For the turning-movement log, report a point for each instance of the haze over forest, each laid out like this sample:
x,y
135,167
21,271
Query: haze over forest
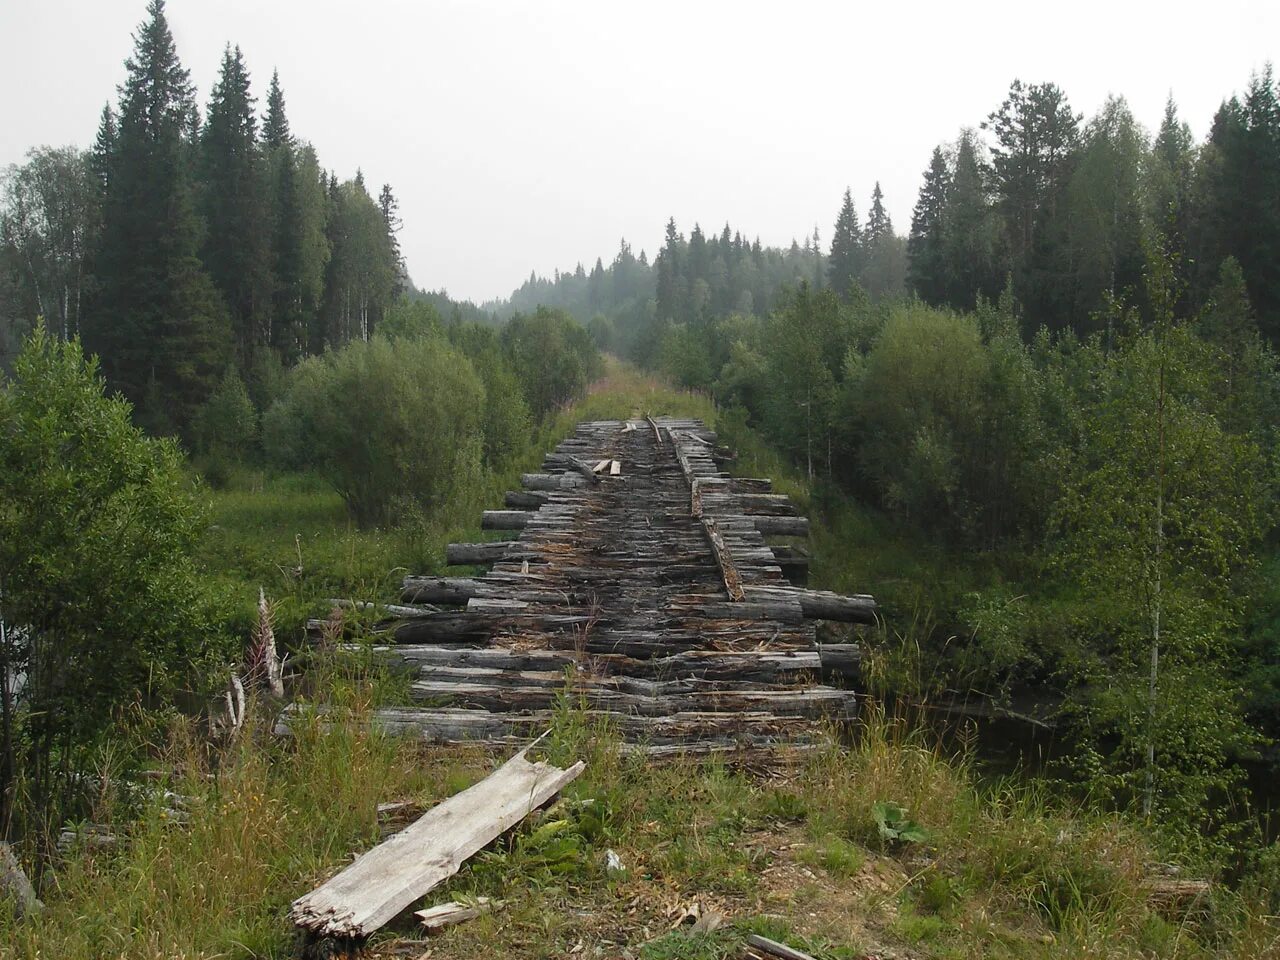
x,y
526,137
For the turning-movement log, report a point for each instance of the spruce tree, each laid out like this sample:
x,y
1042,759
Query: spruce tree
x,y
275,128
844,265
925,272
237,244
972,243
157,324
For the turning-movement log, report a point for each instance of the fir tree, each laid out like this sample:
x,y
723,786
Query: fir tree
x,y
236,248
158,324
275,129
925,270
844,265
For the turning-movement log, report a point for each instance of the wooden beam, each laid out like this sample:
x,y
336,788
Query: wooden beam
x,y
657,434
385,880
724,560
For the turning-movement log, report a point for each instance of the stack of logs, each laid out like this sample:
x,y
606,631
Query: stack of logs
x,y
641,585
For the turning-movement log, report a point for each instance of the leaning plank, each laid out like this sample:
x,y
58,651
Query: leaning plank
x,y
391,876
724,560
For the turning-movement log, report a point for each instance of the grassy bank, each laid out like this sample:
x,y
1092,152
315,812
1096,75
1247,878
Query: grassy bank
x,y
794,851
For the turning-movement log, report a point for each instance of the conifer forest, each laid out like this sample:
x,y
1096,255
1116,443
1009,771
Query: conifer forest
x,y
1039,422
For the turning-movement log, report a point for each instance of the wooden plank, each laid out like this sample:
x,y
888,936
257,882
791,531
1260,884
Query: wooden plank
x,y
385,880
615,468
600,467
773,948
657,434
447,914
724,560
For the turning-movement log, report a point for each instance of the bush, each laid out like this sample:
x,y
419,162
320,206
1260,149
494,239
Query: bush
x,y
102,604
553,358
226,426
382,423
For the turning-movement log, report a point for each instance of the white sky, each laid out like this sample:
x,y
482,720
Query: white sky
x,y
532,135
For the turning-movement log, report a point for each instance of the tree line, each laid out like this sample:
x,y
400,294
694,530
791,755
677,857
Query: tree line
x,y
180,246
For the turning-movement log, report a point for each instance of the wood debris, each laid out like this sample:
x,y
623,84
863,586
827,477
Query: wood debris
x,y
387,879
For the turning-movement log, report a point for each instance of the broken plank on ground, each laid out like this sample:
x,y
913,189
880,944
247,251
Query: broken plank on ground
x,y
385,880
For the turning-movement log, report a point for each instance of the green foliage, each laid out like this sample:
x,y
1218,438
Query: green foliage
x,y
103,607
384,423
226,427
894,826
553,358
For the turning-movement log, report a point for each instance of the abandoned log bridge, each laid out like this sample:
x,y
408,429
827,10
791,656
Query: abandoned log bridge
x,y
640,584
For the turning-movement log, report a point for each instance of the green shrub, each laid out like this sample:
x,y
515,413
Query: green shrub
x,y
383,423
102,602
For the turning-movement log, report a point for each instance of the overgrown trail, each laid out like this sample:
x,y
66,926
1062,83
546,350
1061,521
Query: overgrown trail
x,y
641,585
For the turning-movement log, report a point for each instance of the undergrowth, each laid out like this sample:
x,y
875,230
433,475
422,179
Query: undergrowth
x,y
664,861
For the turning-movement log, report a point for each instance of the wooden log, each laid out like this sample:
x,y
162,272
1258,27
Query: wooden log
x,y
463,554
584,469
773,526
505,519
386,609
15,886
821,604
551,481
383,881
455,591
524,499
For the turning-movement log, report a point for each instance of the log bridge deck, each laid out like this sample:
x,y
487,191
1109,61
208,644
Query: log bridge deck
x,y
640,583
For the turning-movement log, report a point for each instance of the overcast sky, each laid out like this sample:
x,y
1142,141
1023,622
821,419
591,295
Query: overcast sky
x,y
530,135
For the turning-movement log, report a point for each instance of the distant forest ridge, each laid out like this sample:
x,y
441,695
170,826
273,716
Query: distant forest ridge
x,y
184,243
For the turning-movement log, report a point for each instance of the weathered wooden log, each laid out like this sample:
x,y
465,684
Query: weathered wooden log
x,y
774,526
391,876
842,660
806,702
385,609
585,469
551,481
463,554
454,591
820,604
473,626
524,499
505,519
